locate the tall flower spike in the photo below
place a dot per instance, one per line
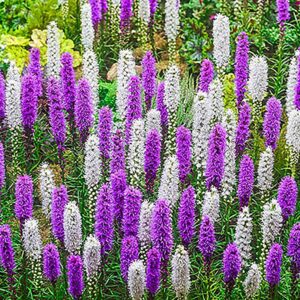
(181, 280)
(87, 30)
(2, 167)
(104, 8)
(104, 132)
(297, 86)
(206, 75)
(215, 98)
(92, 256)
(75, 276)
(117, 154)
(153, 121)
(144, 11)
(34, 68)
(153, 271)
(160, 105)
(211, 205)
(2, 98)
(293, 248)
(293, 131)
(51, 263)
(153, 7)
(125, 15)
(96, 7)
(283, 12)
(252, 281)
(53, 51)
(265, 170)
(32, 240)
(246, 180)
(136, 280)
(129, 253)
(273, 265)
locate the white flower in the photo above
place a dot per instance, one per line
(91, 256)
(172, 19)
(144, 10)
(181, 281)
(53, 51)
(211, 204)
(221, 35)
(293, 130)
(169, 184)
(153, 120)
(87, 30)
(32, 240)
(13, 72)
(136, 280)
(172, 89)
(72, 228)
(215, 98)
(265, 170)
(252, 281)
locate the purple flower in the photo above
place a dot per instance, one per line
(153, 7)
(152, 158)
(129, 253)
(35, 69)
(104, 8)
(297, 87)
(75, 276)
(215, 160)
(246, 180)
(24, 198)
(153, 271)
(242, 130)
(83, 109)
(184, 152)
(104, 131)
(131, 212)
(117, 161)
(273, 265)
(134, 105)
(161, 107)
(186, 216)
(283, 11)
(293, 248)
(2, 167)
(272, 122)
(207, 239)
(148, 78)
(29, 102)
(104, 219)
(241, 67)
(206, 75)
(96, 12)
(7, 255)
(125, 15)
(287, 196)
(232, 264)
(59, 201)
(161, 229)
(51, 263)
(2, 97)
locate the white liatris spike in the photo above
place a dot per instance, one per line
(53, 51)
(144, 11)
(72, 228)
(91, 73)
(92, 161)
(13, 72)
(243, 234)
(172, 88)
(181, 281)
(211, 204)
(91, 256)
(215, 98)
(252, 281)
(169, 184)
(126, 69)
(293, 131)
(46, 181)
(172, 19)
(136, 280)
(258, 78)
(221, 35)
(265, 170)
(87, 29)
(229, 179)
(136, 152)
(271, 222)
(32, 240)
(153, 120)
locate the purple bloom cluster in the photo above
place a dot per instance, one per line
(104, 8)
(293, 248)
(153, 7)
(96, 12)
(206, 75)
(297, 87)
(117, 161)
(2, 167)
(161, 107)
(125, 15)
(104, 131)
(153, 271)
(51, 263)
(75, 276)
(35, 69)
(283, 11)
(273, 265)
(2, 98)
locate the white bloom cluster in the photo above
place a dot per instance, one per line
(144, 10)
(32, 240)
(265, 170)
(211, 204)
(252, 281)
(169, 184)
(91, 256)
(293, 131)
(53, 51)
(271, 222)
(13, 72)
(87, 29)
(243, 234)
(221, 35)
(153, 120)
(136, 280)
(72, 228)
(172, 19)
(258, 78)
(172, 89)
(46, 180)
(126, 69)
(92, 162)
(229, 179)
(181, 280)
(215, 98)
(91, 73)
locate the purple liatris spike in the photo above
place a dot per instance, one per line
(273, 265)
(283, 11)
(216, 156)
(186, 216)
(148, 78)
(287, 196)
(134, 105)
(153, 7)
(58, 203)
(129, 253)
(293, 248)
(246, 180)
(96, 12)
(104, 131)
(184, 152)
(24, 198)
(35, 69)
(2, 97)
(104, 8)
(83, 109)
(125, 15)
(75, 276)
(2, 167)
(104, 219)
(131, 212)
(297, 86)
(241, 67)
(206, 75)
(152, 157)
(242, 130)
(153, 271)
(51, 263)
(160, 106)
(271, 124)
(117, 161)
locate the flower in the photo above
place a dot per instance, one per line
(206, 75)
(215, 99)
(75, 276)
(293, 248)
(92, 256)
(148, 74)
(34, 68)
(104, 131)
(293, 131)
(117, 154)
(172, 19)
(153, 270)
(2, 97)
(87, 30)
(265, 170)
(51, 263)
(283, 11)
(211, 204)
(160, 105)
(136, 280)
(32, 241)
(252, 281)
(273, 265)
(125, 15)
(53, 51)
